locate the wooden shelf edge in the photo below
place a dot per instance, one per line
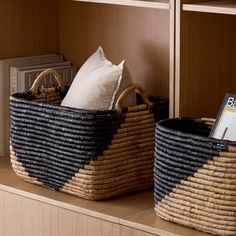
(162, 4)
(218, 7)
(59, 204)
(145, 228)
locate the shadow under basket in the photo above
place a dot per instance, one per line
(195, 176)
(89, 154)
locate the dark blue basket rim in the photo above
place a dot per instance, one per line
(163, 125)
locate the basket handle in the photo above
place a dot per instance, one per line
(127, 90)
(35, 86)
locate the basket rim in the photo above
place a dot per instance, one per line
(160, 102)
(163, 127)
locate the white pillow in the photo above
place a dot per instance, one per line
(98, 84)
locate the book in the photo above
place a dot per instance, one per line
(25, 78)
(225, 125)
(5, 65)
(15, 81)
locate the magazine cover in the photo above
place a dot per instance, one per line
(225, 125)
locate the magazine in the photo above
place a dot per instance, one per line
(225, 125)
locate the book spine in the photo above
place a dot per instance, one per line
(13, 80)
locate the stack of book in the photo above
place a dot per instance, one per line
(18, 75)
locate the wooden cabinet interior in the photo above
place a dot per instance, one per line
(145, 34)
(28, 27)
(137, 31)
(138, 35)
(189, 58)
(205, 56)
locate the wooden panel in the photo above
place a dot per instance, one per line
(178, 53)
(208, 53)
(138, 35)
(28, 27)
(205, 50)
(126, 231)
(172, 59)
(159, 4)
(22, 216)
(177, 59)
(220, 7)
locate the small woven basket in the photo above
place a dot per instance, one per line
(195, 176)
(90, 154)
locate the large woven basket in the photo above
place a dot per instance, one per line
(90, 154)
(195, 176)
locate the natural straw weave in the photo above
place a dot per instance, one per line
(90, 154)
(195, 176)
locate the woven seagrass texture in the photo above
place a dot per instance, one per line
(195, 176)
(90, 154)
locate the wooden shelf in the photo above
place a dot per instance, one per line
(159, 4)
(220, 7)
(134, 211)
